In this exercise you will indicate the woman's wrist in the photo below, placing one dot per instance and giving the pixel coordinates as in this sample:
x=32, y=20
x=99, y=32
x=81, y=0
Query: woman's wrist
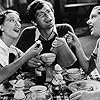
x=78, y=47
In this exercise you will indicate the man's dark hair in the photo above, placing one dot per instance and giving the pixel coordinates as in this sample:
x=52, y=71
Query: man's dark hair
x=34, y=6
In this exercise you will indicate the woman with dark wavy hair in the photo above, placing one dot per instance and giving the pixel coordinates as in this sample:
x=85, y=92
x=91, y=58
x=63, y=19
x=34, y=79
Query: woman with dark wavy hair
x=9, y=31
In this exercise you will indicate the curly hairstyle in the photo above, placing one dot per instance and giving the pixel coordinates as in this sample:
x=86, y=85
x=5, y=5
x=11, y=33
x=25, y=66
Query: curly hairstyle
x=34, y=6
x=97, y=8
x=3, y=17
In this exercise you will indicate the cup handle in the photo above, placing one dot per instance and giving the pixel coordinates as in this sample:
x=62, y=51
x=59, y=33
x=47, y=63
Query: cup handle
x=33, y=96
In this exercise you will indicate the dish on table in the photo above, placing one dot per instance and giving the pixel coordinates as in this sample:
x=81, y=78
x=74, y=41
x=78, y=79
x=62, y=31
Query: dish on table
x=11, y=90
x=88, y=85
x=69, y=78
x=48, y=58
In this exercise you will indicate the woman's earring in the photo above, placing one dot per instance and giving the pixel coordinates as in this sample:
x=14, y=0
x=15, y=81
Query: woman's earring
x=2, y=30
x=34, y=23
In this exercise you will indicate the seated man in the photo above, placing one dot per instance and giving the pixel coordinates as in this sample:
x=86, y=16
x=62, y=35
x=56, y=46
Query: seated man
x=41, y=14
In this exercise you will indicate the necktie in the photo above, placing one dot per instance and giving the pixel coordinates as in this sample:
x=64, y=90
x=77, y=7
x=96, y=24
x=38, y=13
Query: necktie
x=6, y=82
x=11, y=57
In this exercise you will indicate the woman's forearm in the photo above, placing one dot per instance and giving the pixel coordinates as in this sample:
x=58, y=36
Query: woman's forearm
x=84, y=61
x=10, y=69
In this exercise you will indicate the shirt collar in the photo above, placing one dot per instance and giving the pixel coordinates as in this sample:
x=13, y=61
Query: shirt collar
x=38, y=34
x=4, y=46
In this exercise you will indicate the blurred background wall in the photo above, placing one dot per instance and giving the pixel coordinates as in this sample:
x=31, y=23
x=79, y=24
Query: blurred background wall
x=71, y=15
x=76, y=16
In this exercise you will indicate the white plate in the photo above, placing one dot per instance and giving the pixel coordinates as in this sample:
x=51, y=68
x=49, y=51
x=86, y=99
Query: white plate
x=88, y=85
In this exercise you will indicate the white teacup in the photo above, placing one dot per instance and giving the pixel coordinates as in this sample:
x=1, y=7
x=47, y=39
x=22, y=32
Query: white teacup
x=38, y=92
x=48, y=58
x=74, y=73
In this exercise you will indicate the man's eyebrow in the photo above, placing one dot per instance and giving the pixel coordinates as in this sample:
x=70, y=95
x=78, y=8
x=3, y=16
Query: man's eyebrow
x=38, y=13
x=42, y=12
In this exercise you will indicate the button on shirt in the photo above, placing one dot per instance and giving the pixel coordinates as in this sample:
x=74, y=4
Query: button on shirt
x=4, y=53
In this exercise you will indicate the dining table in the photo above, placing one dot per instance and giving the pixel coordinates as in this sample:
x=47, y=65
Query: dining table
x=55, y=90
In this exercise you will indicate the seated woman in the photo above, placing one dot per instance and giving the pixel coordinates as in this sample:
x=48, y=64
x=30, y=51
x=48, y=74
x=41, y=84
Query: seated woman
x=92, y=63
x=9, y=31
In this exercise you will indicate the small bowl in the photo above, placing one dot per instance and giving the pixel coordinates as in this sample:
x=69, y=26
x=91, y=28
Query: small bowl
x=73, y=70
x=38, y=92
x=48, y=58
x=74, y=73
x=38, y=88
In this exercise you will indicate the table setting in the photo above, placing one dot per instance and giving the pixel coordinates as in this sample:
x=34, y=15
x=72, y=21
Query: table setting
x=50, y=82
x=62, y=83
x=88, y=85
x=9, y=89
x=70, y=81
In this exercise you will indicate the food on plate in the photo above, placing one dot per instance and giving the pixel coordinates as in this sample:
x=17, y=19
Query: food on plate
x=20, y=83
x=73, y=70
x=58, y=68
x=28, y=83
x=74, y=74
x=88, y=85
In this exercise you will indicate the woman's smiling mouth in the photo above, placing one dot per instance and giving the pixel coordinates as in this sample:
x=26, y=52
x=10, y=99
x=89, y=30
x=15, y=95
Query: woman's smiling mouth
x=91, y=27
x=16, y=29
